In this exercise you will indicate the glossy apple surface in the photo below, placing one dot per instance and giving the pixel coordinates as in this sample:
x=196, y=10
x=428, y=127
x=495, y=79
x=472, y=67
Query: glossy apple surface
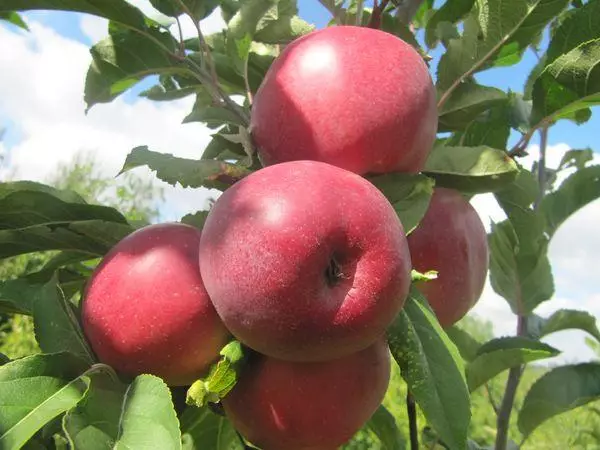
x=145, y=308
x=305, y=261
x=452, y=240
x=355, y=97
x=281, y=405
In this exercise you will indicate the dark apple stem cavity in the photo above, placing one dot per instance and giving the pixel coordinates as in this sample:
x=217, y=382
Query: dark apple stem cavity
x=333, y=272
x=411, y=409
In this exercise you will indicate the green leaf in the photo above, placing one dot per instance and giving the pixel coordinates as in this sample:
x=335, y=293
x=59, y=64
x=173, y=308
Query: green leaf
x=117, y=10
x=451, y=11
x=409, y=195
x=519, y=267
x=490, y=129
x=467, y=102
x=576, y=158
x=223, y=148
x=196, y=219
x=16, y=296
x=34, y=390
x=433, y=369
x=173, y=87
x=579, y=26
x=568, y=84
x=574, y=193
x=520, y=194
x=95, y=237
x=125, y=57
x=118, y=416
x=520, y=113
x=467, y=345
x=470, y=169
x=221, y=379
x=56, y=325
x=501, y=354
x=66, y=196
x=14, y=18
x=22, y=208
x=563, y=319
x=496, y=33
x=186, y=172
x=203, y=430
x=283, y=30
x=383, y=425
x=560, y=390
x=198, y=8
x=281, y=24
x=214, y=116
x=242, y=28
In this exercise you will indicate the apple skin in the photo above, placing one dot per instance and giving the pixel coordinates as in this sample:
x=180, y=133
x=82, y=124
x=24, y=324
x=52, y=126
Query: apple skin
x=355, y=97
x=145, y=308
x=452, y=240
x=305, y=261
x=282, y=405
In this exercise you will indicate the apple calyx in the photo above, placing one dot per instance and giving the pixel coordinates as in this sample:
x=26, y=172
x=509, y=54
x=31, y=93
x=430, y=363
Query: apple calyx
x=221, y=378
x=333, y=272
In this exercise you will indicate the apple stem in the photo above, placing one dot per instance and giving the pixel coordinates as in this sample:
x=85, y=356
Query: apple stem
x=411, y=409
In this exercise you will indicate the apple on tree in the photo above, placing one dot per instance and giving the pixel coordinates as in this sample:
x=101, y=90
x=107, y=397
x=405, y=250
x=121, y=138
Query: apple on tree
x=452, y=240
x=145, y=308
x=355, y=97
x=305, y=261
x=287, y=405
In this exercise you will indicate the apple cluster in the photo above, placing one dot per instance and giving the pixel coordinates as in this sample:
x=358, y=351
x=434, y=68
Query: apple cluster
x=304, y=261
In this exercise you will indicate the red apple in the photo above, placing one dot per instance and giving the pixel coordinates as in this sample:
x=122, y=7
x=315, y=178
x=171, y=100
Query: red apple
x=452, y=240
x=305, y=261
x=145, y=309
x=355, y=97
x=280, y=405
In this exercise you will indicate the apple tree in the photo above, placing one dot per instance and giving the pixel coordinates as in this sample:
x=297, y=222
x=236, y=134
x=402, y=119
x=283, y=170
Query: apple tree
x=323, y=271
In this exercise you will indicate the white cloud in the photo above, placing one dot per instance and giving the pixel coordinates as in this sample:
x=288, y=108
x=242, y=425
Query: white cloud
x=94, y=27
x=43, y=96
x=573, y=253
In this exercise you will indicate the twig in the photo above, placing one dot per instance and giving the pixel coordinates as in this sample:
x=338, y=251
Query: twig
x=514, y=376
x=491, y=398
x=203, y=45
x=359, y=12
x=181, y=44
x=542, y=166
x=477, y=65
x=375, y=20
x=411, y=409
x=213, y=77
x=247, y=82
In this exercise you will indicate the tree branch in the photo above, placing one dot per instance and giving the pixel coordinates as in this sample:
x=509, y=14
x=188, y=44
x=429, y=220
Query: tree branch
x=411, y=409
x=514, y=376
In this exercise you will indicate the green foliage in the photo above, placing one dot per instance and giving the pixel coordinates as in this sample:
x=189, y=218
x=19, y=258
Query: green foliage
x=432, y=368
x=138, y=415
